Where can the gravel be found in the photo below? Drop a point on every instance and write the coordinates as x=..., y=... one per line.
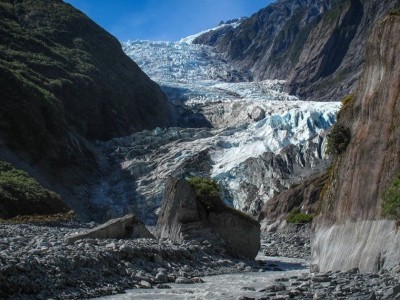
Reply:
x=292, y=241
x=336, y=285
x=37, y=263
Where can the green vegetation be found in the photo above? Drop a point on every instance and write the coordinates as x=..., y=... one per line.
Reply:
x=338, y=139
x=347, y=106
x=62, y=75
x=40, y=219
x=327, y=185
x=208, y=193
x=391, y=200
x=21, y=194
x=394, y=12
x=296, y=217
x=346, y=100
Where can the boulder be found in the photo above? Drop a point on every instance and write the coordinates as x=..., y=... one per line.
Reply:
x=119, y=228
x=185, y=217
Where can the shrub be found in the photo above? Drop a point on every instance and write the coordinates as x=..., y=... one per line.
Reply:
x=391, y=200
x=346, y=100
x=207, y=189
x=208, y=192
x=338, y=139
x=296, y=217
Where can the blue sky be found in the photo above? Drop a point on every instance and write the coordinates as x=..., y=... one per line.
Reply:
x=167, y=20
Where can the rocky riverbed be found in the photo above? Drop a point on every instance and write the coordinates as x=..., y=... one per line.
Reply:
x=292, y=241
x=37, y=263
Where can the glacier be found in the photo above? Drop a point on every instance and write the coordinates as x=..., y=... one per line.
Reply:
x=254, y=139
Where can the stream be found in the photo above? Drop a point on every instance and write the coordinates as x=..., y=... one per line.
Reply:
x=227, y=286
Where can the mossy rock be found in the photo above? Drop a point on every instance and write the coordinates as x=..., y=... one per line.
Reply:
x=21, y=194
x=40, y=219
x=391, y=200
x=208, y=193
x=61, y=75
x=296, y=217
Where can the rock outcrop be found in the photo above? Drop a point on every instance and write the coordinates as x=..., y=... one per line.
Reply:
x=317, y=44
x=303, y=197
x=351, y=231
x=184, y=217
x=261, y=178
x=120, y=228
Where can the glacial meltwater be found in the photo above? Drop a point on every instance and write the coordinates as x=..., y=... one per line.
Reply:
x=227, y=286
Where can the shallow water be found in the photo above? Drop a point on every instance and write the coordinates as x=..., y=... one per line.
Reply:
x=228, y=286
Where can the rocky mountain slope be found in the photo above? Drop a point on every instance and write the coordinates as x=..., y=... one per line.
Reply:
x=360, y=203
x=300, y=198
x=65, y=81
x=253, y=138
x=317, y=44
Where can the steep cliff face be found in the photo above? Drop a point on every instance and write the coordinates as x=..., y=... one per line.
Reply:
x=317, y=45
x=65, y=81
x=269, y=42
x=349, y=224
x=333, y=55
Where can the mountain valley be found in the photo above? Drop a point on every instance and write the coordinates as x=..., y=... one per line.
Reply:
x=266, y=146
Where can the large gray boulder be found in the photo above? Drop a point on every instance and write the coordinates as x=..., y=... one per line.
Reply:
x=184, y=217
x=119, y=228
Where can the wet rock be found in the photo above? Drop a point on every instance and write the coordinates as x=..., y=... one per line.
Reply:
x=276, y=287
x=182, y=280
x=162, y=277
x=163, y=286
x=145, y=284
x=246, y=288
x=196, y=280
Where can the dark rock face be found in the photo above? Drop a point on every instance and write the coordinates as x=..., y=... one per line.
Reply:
x=318, y=45
x=65, y=81
x=76, y=73
x=269, y=42
x=184, y=217
x=352, y=204
x=20, y=194
x=304, y=197
x=333, y=56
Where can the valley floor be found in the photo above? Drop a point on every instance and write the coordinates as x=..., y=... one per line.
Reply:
x=37, y=263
